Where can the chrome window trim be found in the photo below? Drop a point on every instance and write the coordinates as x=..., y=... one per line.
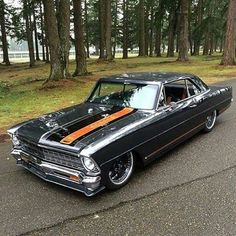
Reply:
x=191, y=97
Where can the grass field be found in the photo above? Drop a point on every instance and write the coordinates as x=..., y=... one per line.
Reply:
x=22, y=95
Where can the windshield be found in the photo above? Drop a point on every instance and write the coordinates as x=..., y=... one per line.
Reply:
x=138, y=96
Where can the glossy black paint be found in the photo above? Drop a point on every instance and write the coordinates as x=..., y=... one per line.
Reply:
x=147, y=133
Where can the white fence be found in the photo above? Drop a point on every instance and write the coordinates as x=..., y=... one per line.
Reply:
x=25, y=54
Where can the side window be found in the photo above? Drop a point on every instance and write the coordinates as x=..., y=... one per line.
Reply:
x=192, y=88
x=176, y=91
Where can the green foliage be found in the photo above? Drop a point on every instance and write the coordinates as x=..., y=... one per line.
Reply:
x=4, y=87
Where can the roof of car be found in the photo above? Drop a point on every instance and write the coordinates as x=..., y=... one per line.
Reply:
x=146, y=77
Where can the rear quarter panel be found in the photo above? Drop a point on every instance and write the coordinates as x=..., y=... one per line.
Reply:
x=221, y=97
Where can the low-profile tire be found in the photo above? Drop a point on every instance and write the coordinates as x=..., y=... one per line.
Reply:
x=120, y=171
x=210, y=122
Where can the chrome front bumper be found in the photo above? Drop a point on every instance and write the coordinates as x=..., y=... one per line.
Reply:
x=70, y=178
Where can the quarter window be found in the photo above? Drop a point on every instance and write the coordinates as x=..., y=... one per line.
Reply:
x=192, y=88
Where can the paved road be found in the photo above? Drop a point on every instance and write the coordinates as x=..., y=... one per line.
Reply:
x=190, y=191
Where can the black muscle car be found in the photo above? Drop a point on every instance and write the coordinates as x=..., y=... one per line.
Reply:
x=127, y=118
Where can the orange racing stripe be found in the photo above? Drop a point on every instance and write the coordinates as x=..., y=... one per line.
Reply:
x=87, y=129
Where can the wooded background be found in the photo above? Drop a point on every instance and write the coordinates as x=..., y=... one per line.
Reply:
x=155, y=27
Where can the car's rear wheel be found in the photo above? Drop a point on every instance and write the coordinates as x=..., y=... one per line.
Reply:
x=210, y=122
x=120, y=171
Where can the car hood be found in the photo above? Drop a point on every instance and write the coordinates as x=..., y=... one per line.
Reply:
x=50, y=129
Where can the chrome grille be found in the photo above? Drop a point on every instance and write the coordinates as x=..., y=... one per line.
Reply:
x=31, y=149
x=48, y=155
x=62, y=159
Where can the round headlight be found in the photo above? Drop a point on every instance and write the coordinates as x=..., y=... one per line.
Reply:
x=15, y=140
x=89, y=164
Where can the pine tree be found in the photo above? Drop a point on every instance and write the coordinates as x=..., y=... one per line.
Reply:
x=183, y=36
x=3, y=33
x=81, y=66
x=229, y=49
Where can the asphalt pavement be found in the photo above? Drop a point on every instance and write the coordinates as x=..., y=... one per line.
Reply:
x=189, y=191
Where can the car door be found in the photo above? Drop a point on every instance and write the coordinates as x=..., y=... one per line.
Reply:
x=174, y=121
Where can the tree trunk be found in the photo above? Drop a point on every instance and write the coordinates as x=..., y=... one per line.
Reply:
x=108, y=22
x=206, y=45
x=158, y=42
x=125, y=28
x=216, y=44
x=229, y=48
x=177, y=25
x=64, y=34
x=183, y=37
x=197, y=40
x=29, y=32
x=102, y=29
x=115, y=29
x=221, y=43
x=158, y=22
x=151, y=47
x=171, y=32
x=190, y=36
x=35, y=35
x=141, y=29
x=3, y=34
x=86, y=27
x=57, y=71
x=42, y=31
x=147, y=27
x=47, y=51
x=211, y=44
x=81, y=66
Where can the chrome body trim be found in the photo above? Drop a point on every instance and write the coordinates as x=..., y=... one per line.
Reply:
x=63, y=176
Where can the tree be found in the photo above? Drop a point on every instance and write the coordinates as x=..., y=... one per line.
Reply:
x=81, y=66
x=172, y=29
x=125, y=28
x=35, y=31
x=141, y=29
x=3, y=33
x=116, y=21
x=42, y=30
x=229, y=49
x=108, y=23
x=183, y=36
x=86, y=27
x=102, y=22
x=197, y=32
x=151, y=45
x=57, y=70
x=63, y=19
x=29, y=30
x=159, y=22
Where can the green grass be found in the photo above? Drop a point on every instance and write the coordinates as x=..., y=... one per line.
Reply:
x=23, y=97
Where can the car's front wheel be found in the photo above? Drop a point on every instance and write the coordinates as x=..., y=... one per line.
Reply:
x=210, y=121
x=120, y=171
